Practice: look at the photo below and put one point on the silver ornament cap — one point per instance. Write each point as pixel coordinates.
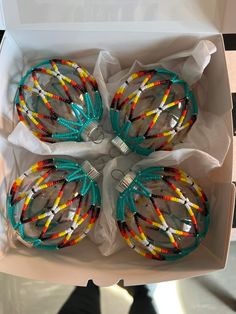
(93, 133)
(90, 170)
(125, 182)
(120, 144)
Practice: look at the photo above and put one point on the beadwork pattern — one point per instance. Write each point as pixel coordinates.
(162, 213)
(54, 204)
(152, 110)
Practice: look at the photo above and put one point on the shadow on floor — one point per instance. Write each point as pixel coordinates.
(221, 293)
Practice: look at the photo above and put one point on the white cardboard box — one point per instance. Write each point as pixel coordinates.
(148, 30)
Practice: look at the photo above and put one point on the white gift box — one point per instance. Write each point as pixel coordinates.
(146, 30)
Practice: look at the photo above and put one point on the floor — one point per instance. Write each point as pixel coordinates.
(215, 293)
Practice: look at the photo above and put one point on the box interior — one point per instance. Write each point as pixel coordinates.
(197, 14)
(77, 265)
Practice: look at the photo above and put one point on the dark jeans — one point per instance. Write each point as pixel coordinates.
(86, 300)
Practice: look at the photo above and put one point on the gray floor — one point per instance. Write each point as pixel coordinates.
(215, 293)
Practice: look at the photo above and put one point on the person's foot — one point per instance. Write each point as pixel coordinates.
(83, 300)
(143, 302)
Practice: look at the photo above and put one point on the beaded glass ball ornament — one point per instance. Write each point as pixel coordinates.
(60, 101)
(55, 203)
(162, 213)
(152, 110)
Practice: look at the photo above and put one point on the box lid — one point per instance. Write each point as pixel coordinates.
(229, 20)
(113, 15)
(2, 23)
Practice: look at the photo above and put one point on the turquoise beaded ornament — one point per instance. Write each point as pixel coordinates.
(54, 204)
(162, 213)
(59, 101)
(152, 110)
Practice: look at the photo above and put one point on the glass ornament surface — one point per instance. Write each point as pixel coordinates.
(162, 213)
(59, 101)
(152, 110)
(55, 203)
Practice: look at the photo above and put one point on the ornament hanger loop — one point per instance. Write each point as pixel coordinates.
(117, 174)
